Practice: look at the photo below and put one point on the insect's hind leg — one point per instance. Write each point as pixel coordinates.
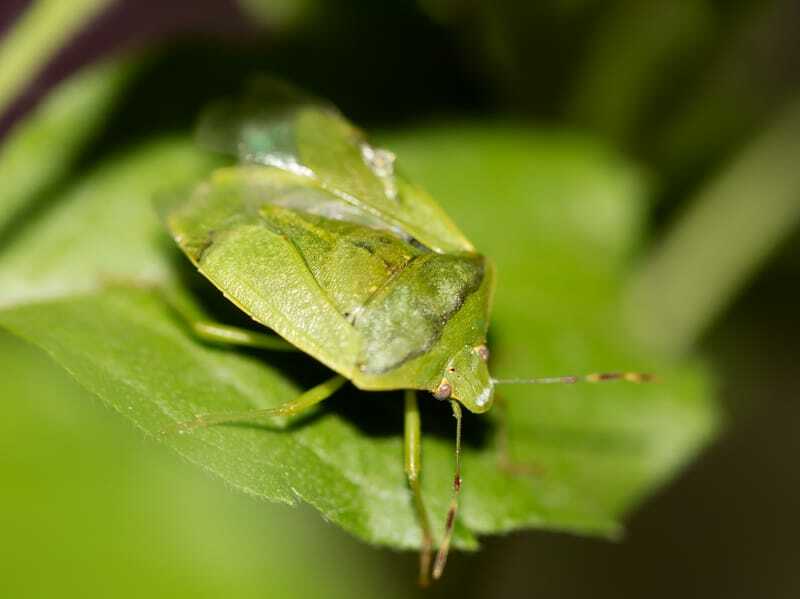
(304, 401)
(413, 465)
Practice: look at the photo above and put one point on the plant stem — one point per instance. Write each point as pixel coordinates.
(720, 241)
(44, 27)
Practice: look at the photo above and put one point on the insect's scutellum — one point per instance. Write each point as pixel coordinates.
(370, 314)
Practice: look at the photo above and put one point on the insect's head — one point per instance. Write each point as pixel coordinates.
(466, 378)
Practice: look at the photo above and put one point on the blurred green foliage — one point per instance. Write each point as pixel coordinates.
(41, 32)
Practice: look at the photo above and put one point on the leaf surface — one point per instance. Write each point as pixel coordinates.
(97, 506)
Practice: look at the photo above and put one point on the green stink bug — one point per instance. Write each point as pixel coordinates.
(317, 237)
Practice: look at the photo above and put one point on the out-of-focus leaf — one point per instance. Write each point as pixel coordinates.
(756, 202)
(44, 27)
(749, 79)
(278, 14)
(102, 230)
(559, 216)
(631, 56)
(43, 147)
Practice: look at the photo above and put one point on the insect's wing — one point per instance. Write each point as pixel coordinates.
(258, 269)
(275, 125)
(257, 128)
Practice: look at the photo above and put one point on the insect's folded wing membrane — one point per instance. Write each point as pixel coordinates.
(259, 126)
(278, 126)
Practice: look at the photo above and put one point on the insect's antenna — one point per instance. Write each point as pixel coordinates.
(597, 377)
(441, 555)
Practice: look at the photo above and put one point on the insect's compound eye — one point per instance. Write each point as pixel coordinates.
(483, 352)
(443, 391)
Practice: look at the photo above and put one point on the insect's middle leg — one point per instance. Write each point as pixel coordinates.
(304, 401)
(413, 465)
(216, 332)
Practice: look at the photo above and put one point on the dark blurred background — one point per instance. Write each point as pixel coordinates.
(682, 88)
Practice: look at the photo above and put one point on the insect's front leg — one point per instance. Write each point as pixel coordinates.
(413, 466)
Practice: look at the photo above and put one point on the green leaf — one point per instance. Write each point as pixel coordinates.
(40, 150)
(102, 230)
(560, 217)
(40, 32)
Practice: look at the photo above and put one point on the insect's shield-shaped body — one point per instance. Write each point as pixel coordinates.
(317, 236)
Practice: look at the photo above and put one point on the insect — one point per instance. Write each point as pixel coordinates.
(315, 235)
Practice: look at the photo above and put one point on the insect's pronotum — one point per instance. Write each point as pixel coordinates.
(316, 236)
